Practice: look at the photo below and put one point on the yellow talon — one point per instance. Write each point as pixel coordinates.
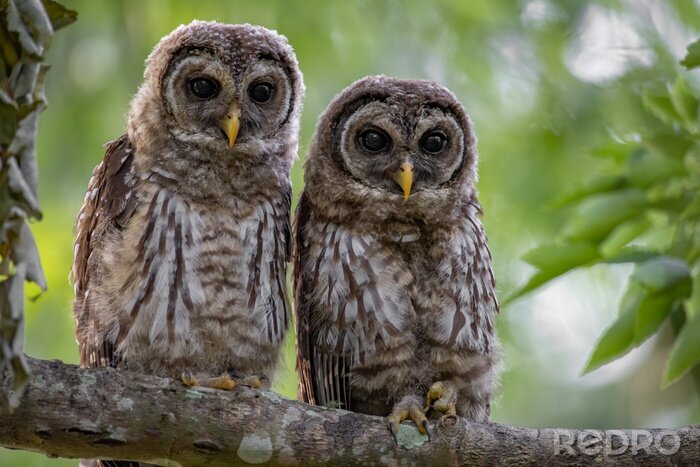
(221, 382)
(253, 381)
(408, 408)
(188, 379)
(442, 397)
(225, 381)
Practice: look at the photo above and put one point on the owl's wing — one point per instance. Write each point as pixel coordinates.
(108, 205)
(301, 313)
(324, 377)
(471, 262)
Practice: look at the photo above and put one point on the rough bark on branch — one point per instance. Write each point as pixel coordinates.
(107, 413)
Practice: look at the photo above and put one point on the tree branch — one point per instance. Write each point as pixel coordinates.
(72, 412)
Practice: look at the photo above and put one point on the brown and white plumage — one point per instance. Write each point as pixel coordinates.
(108, 204)
(394, 291)
(183, 238)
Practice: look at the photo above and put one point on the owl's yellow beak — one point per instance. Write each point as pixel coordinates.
(404, 177)
(230, 124)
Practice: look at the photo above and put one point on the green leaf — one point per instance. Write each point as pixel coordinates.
(685, 103)
(561, 258)
(537, 279)
(692, 58)
(661, 106)
(645, 168)
(672, 144)
(618, 339)
(614, 148)
(598, 215)
(692, 210)
(679, 317)
(685, 353)
(652, 311)
(693, 303)
(630, 254)
(623, 234)
(662, 273)
(59, 15)
(593, 186)
(553, 261)
(654, 289)
(672, 204)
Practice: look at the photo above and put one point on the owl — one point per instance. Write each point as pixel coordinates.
(394, 288)
(184, 235)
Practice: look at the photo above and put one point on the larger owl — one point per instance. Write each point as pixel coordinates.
(183, 238)
(395, 294)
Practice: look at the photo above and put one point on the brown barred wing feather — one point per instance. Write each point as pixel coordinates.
(472, 258)
(306, 391)
(108, 205)
(323, 374)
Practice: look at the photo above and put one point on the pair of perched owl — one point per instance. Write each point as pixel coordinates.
(185, 234)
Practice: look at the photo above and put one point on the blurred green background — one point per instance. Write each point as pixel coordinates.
(547, 83)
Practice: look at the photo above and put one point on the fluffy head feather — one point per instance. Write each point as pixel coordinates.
(346, 182)
(233, 43)
(177, 133)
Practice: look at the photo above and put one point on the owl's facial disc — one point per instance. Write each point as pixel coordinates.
(265, 94)
(401, 151)
(200, 95)
(231, 110)
(204, 87)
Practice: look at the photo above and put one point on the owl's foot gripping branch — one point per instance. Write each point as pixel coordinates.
(409, 408)
(107, 413)
(225, 381)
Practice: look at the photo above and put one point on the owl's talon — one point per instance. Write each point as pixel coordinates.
(442, 397)
(188, 379)
(408, 408)
(393, 428)
(427, 429)
(220, 382)
(257, 382)
(226, 381)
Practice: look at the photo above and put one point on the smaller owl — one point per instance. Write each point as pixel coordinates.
(395, 294)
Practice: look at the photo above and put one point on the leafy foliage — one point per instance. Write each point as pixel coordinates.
(692, 59)
(25, 29)
(646, 212)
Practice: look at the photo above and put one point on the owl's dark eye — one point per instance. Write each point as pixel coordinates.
(374, 140)
(204, 88)
(434, 142)
(260, 92)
